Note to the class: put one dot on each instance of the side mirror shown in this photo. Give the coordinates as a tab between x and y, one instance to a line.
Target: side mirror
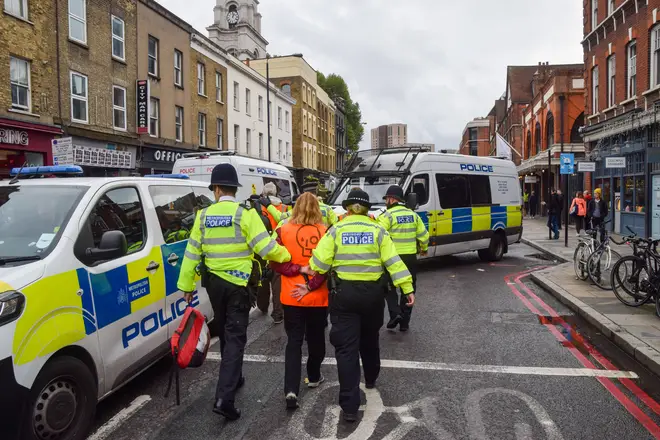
113	245
411	201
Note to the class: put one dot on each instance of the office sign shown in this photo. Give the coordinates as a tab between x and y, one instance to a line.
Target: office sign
615	162
567	163
142	106
531	179
586	167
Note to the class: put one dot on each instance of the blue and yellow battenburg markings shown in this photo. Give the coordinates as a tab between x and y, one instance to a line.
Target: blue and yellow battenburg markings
478	218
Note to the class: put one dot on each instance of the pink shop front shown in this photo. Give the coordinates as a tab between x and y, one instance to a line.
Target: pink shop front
25	143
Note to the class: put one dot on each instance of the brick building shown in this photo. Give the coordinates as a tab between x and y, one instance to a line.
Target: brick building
622	64
476	138
341	135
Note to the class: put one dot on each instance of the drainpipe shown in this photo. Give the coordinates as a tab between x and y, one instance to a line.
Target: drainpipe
57	54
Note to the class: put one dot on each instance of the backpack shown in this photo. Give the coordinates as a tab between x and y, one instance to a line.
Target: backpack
190	344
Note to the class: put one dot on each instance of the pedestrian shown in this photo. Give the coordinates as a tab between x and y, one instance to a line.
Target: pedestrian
533	204
304	299
356	251
587	199
553	213
526	202
597	211
410	237
560	200
578	210
329	216
223	241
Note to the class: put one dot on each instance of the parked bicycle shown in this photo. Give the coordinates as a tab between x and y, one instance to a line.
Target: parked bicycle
602	260
586	246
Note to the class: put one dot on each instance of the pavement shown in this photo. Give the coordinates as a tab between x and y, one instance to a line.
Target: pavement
636	330
490	355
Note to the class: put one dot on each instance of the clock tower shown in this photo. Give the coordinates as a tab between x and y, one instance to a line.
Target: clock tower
237	28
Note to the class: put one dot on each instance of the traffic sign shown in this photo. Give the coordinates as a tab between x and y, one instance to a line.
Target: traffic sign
567	162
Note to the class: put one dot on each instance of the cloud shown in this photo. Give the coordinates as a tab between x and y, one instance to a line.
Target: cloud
433	64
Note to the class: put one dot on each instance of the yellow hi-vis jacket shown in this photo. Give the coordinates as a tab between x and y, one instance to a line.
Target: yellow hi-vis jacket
329	216
406	229
228	235
357	248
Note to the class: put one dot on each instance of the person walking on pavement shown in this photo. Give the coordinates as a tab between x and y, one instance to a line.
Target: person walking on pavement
587	198
533	204
222	243
553	213
329	216
560	200
597	211
578	210
357	250
304	299
410	237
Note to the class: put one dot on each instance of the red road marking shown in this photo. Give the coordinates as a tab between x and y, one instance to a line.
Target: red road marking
630	406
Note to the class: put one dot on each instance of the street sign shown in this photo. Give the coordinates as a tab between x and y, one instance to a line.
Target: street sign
567	162
531	179
62	151
615	162
586	167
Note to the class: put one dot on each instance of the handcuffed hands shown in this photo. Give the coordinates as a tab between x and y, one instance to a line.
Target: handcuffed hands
300	291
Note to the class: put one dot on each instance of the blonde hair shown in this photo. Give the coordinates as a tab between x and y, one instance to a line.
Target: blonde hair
307	210
358	209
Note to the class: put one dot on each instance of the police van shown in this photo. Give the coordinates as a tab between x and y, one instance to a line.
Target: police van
88	283
252	173
467	203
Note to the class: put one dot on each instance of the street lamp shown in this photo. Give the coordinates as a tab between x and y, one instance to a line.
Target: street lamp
268	101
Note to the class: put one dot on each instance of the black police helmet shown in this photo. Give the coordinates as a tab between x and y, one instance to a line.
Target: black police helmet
394	191
224	174
357	196
310	187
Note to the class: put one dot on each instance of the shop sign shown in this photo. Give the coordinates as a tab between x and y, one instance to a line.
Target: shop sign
142	106
586	167
615	162
15	137
62	151
166	156
531	179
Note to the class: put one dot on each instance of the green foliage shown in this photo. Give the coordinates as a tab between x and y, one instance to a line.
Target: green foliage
335	86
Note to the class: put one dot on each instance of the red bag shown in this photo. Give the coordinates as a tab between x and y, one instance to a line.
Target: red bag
190	344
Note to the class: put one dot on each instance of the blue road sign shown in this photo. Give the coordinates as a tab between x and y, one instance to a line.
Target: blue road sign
567	163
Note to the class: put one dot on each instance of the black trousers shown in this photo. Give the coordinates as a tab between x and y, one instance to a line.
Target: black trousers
264	294
231	307
301	323
399	306
356	314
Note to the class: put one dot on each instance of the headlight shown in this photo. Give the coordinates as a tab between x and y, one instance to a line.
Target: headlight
11	306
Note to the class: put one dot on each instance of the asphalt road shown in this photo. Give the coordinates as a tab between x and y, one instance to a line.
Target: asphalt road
489	356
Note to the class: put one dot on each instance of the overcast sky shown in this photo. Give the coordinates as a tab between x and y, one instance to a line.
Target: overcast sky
433	64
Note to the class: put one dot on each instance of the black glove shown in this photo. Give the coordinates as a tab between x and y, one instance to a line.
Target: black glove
265	201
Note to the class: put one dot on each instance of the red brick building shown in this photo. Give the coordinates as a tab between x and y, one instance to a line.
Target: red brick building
476	138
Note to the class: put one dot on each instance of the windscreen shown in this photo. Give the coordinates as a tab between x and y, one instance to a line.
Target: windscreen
375	186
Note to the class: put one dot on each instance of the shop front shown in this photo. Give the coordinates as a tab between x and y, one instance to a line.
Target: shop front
97	158
24	143
158	160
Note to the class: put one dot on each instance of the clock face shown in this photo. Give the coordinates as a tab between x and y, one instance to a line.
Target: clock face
232	17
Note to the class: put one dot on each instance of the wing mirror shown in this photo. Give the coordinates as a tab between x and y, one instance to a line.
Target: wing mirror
113	245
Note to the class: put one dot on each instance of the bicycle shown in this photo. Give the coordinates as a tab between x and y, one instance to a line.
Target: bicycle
586	246
600	261
639	284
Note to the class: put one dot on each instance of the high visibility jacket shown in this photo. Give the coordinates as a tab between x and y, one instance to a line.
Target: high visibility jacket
300	240
357	248
329	216
525	197
344	215
174	236
274	214
228	235
406	229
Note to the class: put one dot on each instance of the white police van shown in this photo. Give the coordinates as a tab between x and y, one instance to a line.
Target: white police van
253	174
88	274
467	203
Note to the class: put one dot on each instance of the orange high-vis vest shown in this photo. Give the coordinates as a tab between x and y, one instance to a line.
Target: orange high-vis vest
301	240
273	223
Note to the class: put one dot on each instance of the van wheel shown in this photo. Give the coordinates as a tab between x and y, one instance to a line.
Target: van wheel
495	251
62	401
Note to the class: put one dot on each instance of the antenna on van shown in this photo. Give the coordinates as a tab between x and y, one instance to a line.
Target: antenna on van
15	179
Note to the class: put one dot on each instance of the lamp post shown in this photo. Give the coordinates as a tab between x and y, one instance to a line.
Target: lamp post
268	102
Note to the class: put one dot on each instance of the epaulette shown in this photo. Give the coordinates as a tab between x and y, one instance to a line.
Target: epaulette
245	206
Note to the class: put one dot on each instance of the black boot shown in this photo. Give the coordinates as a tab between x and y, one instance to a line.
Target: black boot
227	410
394	322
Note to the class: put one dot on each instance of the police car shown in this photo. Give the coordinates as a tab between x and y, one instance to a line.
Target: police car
467	203
88	274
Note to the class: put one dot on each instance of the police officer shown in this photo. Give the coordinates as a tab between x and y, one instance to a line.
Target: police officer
329	216
356	250
222	243
410	237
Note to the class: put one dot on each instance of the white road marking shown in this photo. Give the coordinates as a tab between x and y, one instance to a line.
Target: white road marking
441	366
119	418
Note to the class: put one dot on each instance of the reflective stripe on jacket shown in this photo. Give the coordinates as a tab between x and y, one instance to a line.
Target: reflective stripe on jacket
228	235
357	248
406	229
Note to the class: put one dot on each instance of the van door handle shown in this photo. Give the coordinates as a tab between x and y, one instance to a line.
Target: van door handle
153	266
441	213
172	259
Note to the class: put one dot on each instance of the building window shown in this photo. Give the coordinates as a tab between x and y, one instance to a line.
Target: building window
17	8
119	107
201	81
286	89
611	81
19	78
201	129
655	57
78	21
279	149
594	90
261	108
474	144
304	122
237	131
304	93
288	152
610	7
248	106
153	56
178	123
178	72
286	121
632	70
218	87
118	38
594	14
248	140
220	127
236	98
79	96
279	117
154	114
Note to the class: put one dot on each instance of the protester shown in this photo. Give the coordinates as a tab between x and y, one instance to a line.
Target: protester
578	210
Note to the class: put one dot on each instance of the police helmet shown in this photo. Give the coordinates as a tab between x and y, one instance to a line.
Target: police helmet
224	174
357	196
394	191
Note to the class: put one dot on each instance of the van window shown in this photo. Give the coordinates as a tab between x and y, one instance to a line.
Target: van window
453	190
295	187
420	186
283	187
175	208
480	190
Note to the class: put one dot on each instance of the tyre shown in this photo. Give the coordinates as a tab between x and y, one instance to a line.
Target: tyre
495	251
62	401
580	262
600	265
629	280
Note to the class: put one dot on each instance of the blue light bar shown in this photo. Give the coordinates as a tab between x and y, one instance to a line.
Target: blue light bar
51	169
169	176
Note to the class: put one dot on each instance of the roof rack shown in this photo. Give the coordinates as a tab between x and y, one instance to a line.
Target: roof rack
50	170
212	153
169	176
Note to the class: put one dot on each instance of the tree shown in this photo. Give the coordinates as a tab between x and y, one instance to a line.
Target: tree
335	86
